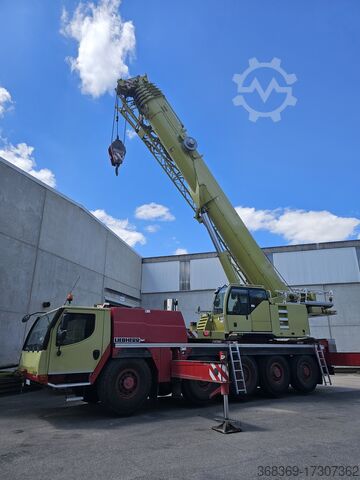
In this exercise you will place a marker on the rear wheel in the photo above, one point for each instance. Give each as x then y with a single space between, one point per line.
274 375
251 375
197 392
305 373
125 385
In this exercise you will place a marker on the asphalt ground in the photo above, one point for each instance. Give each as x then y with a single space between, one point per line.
41 437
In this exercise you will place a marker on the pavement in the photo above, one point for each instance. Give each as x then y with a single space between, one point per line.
41 437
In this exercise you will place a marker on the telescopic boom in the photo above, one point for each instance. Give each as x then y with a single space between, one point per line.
147 110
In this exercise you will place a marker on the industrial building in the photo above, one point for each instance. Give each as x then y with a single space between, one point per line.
48 243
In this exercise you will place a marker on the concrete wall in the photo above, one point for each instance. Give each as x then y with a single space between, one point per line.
46 243
330 266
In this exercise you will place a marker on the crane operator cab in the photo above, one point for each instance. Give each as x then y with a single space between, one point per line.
240 311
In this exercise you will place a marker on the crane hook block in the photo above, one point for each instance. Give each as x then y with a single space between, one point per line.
117 152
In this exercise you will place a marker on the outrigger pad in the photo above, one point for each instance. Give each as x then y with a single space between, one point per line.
227 427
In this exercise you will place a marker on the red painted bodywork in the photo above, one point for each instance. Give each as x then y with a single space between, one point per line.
343 359
340 359
104 358
150 326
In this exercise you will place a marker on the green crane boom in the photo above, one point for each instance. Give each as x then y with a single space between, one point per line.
147 110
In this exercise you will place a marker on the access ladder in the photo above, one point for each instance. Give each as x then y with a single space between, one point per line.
322 364
237 368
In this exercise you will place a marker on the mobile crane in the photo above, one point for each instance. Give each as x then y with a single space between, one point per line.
121 356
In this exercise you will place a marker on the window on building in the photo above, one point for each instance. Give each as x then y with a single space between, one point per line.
184 280
238 302
79 326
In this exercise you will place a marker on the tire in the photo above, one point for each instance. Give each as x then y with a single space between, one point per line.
196 392
251 375
305 373
124 385
274 375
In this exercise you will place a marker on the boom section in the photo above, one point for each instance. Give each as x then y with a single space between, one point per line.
146 109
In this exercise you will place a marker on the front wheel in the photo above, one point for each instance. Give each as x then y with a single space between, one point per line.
125 385
305 373
274 375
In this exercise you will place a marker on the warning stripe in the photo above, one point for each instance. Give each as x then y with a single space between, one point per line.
218 372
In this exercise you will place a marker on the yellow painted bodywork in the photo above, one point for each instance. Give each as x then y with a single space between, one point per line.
74 358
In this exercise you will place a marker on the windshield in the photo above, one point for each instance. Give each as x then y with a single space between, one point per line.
219 300
37 338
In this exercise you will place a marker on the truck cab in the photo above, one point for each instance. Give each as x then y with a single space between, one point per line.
65 345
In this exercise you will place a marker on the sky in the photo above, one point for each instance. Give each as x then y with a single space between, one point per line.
268 89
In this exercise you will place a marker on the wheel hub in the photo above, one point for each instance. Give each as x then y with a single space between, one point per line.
127 383
306 371
277 372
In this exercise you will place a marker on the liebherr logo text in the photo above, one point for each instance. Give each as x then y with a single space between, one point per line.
128 340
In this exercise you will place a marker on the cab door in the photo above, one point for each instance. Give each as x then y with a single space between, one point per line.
75 353
238 310
260 310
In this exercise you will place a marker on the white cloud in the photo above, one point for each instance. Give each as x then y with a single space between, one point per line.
131 134
300 226
180 251
105 42
154 211
21 156
255 219
5 100
122 228
152 228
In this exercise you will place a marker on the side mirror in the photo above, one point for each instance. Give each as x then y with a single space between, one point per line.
62 331
64 322
25 318
198 309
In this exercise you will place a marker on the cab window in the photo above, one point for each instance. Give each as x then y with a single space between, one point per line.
256 296
238 302
79 326
219 300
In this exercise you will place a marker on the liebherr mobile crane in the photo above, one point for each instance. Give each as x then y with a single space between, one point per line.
121 356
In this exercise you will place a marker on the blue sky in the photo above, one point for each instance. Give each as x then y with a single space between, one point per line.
294 181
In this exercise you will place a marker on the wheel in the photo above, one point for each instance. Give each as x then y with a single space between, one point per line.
274 375
125 385
305 373
196 392
251 375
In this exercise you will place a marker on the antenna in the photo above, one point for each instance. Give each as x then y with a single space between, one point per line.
69 297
